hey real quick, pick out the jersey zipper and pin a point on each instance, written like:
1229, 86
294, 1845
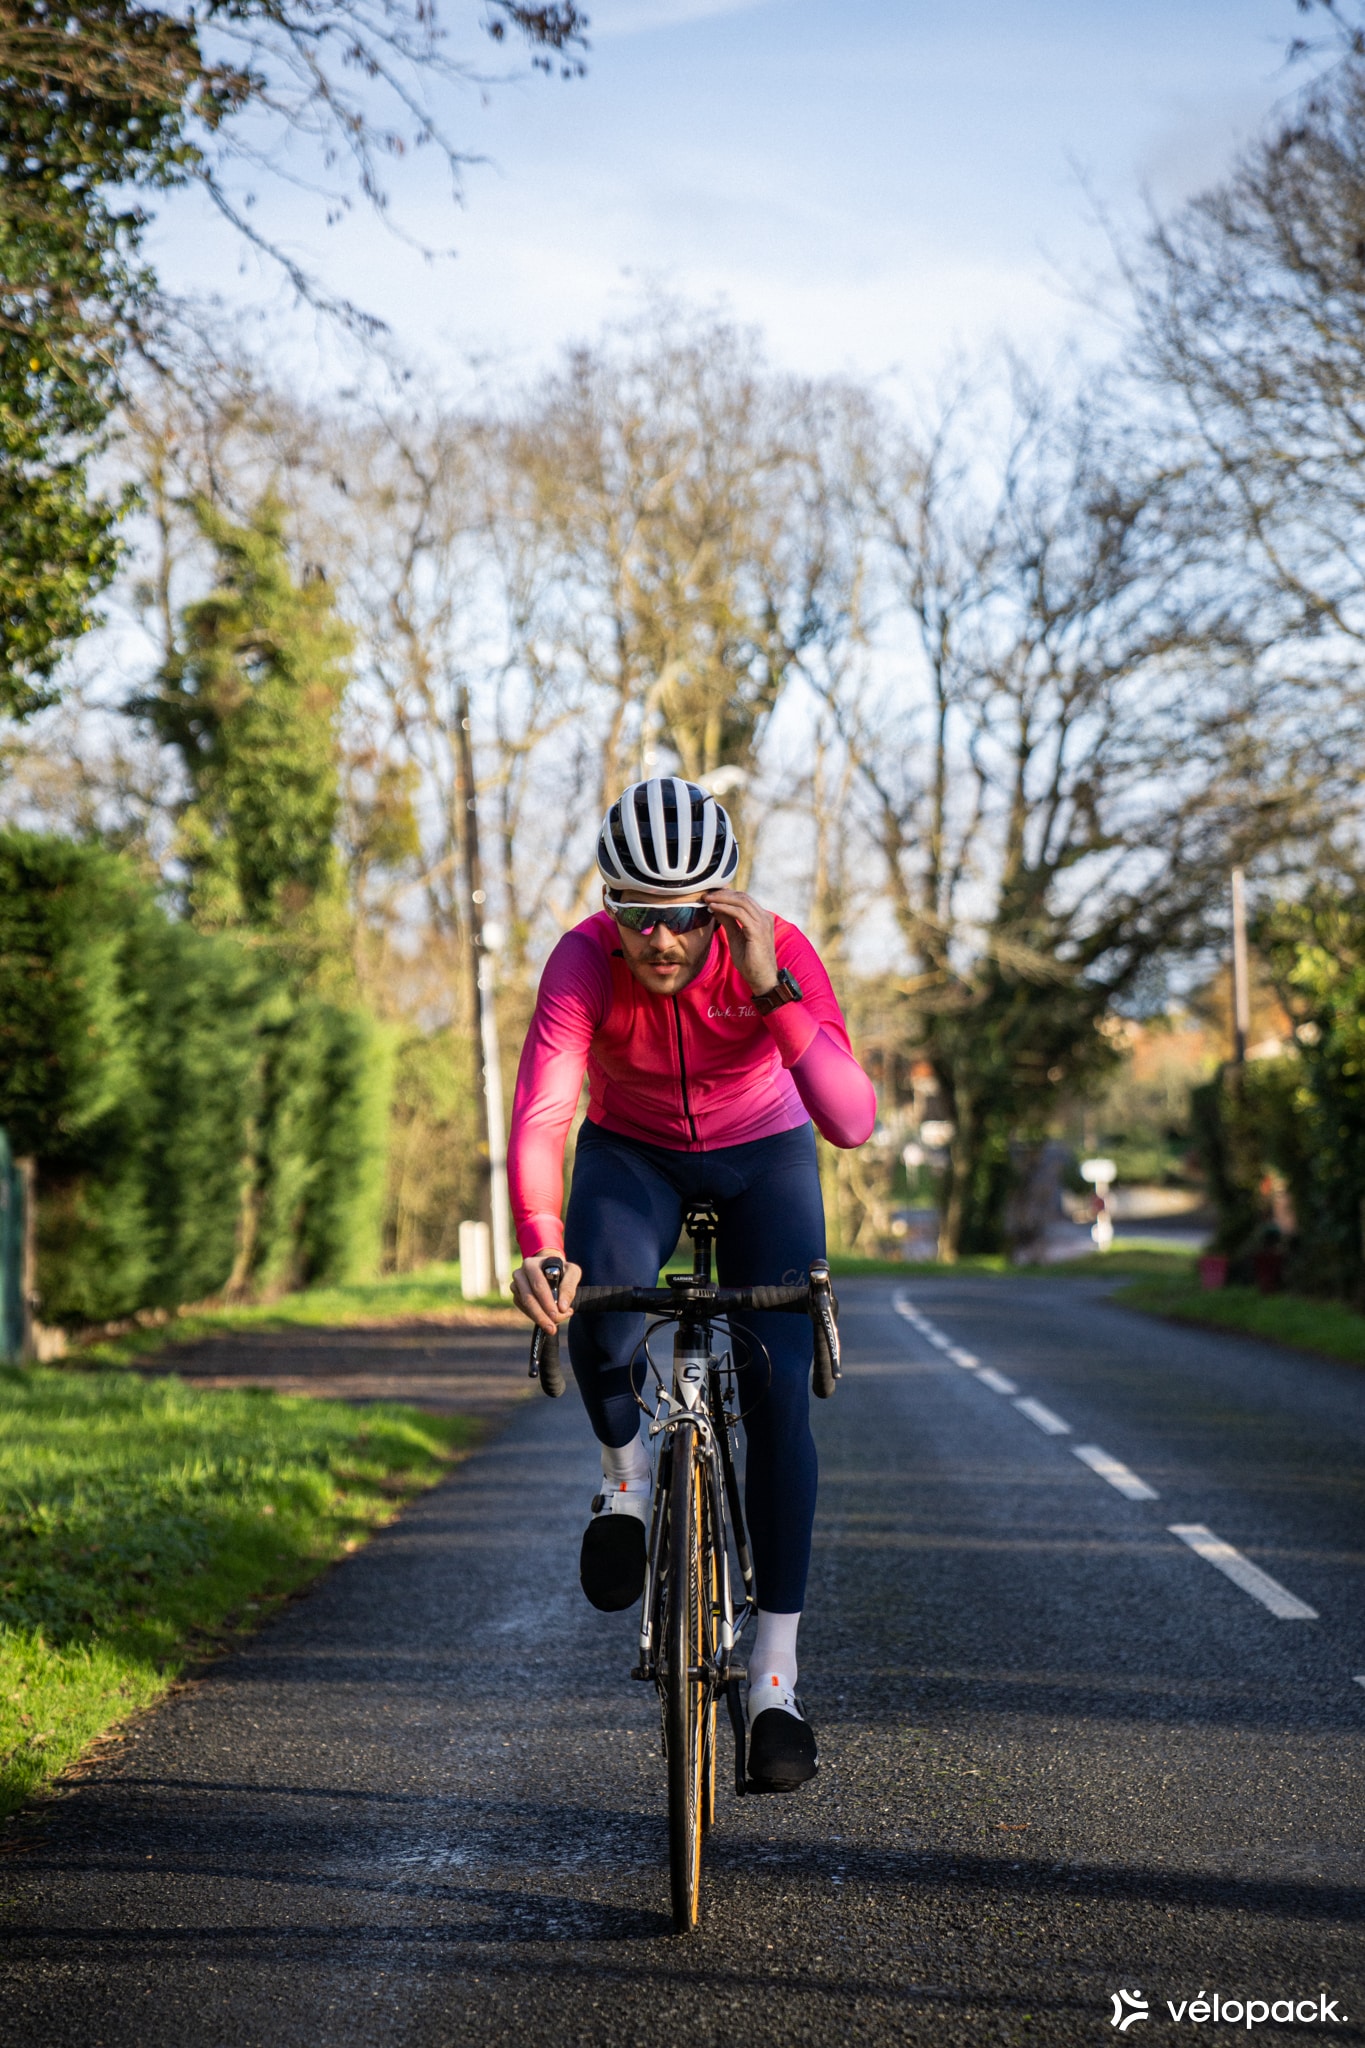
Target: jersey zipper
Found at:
682, 1072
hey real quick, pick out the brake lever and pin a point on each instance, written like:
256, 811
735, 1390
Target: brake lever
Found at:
545, 1365
825, 1316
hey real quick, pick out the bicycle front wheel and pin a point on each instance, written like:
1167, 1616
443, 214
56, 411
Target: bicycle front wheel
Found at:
688, 1707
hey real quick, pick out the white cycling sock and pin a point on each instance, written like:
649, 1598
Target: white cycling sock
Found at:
772, 1661
626, 1465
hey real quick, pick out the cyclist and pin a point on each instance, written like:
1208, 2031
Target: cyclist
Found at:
711, 1039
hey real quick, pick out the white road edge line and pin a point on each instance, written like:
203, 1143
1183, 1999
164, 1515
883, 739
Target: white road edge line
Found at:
1117, 1473
1284, 1605
1044, 1417
996, 1381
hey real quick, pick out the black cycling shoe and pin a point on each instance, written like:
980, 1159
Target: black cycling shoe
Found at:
782, 1751
611, 1564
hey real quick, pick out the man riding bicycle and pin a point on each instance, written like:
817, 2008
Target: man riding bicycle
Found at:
711, 1039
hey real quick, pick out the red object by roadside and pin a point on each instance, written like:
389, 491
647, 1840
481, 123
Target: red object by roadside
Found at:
1213, 1271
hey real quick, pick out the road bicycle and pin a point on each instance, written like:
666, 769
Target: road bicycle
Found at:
689, 1626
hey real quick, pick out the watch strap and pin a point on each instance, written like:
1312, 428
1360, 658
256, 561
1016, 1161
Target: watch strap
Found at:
786, 989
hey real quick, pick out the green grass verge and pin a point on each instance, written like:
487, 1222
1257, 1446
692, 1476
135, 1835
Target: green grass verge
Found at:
1327, 1327
142, 1524
1131, 1256
396, 1298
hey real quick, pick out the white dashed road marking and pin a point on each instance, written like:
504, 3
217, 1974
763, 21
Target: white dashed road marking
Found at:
1360, 1678
1050, 1424
1116, 1473
1284, 1605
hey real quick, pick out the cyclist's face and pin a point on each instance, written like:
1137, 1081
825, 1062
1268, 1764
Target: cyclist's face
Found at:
664, 961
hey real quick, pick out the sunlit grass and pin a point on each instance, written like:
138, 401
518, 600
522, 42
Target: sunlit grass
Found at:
141, 1523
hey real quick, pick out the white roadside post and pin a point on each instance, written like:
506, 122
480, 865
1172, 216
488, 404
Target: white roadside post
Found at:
476, 1264
1101, 1174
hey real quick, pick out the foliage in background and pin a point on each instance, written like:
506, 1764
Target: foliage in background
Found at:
198, 1124
250, 702
79, 119
142, 1521
1141, 1118
100, 99
1245, 1125
1300, 1118
434, 1178
1315, 949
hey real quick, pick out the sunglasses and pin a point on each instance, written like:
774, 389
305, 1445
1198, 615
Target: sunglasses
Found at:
674, 917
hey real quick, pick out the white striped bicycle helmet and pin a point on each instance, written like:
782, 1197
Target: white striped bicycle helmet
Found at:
665, 837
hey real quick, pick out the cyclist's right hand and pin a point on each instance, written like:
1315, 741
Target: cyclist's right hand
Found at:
531, 1291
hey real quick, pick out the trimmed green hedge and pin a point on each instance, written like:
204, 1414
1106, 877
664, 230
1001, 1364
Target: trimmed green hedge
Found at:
198, 1121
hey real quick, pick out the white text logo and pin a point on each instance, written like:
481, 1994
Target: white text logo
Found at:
1254, 2012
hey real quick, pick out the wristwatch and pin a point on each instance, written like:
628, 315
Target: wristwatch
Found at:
786, 989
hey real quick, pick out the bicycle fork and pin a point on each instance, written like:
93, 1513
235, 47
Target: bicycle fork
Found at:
686, 1410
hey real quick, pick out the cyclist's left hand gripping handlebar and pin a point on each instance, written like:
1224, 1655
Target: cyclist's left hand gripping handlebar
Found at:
545, 1364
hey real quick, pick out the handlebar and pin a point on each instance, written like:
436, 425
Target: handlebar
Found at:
814, 1296
716, 1301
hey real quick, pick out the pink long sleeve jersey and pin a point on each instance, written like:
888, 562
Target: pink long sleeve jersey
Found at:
690, 1072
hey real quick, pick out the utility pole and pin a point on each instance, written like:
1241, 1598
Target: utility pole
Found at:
481, 941
1241, 988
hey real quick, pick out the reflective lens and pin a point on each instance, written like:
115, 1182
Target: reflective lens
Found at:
674, 917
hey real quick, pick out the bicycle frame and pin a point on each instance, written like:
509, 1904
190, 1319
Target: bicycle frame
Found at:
696, 1401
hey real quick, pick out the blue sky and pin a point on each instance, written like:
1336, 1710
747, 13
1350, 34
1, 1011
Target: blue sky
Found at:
876, 183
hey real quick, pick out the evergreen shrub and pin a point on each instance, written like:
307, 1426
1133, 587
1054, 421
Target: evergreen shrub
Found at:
198, 1122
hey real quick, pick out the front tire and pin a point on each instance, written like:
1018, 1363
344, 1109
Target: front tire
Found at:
688, 1708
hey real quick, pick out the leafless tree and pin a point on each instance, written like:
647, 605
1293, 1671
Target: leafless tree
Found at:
1072, 746
1251, 339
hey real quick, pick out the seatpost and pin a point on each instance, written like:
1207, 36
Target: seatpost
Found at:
700, 1223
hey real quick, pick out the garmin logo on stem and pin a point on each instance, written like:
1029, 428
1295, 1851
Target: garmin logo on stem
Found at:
1205, 2010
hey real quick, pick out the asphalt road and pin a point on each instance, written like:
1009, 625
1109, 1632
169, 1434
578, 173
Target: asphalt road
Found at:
1063, 1753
